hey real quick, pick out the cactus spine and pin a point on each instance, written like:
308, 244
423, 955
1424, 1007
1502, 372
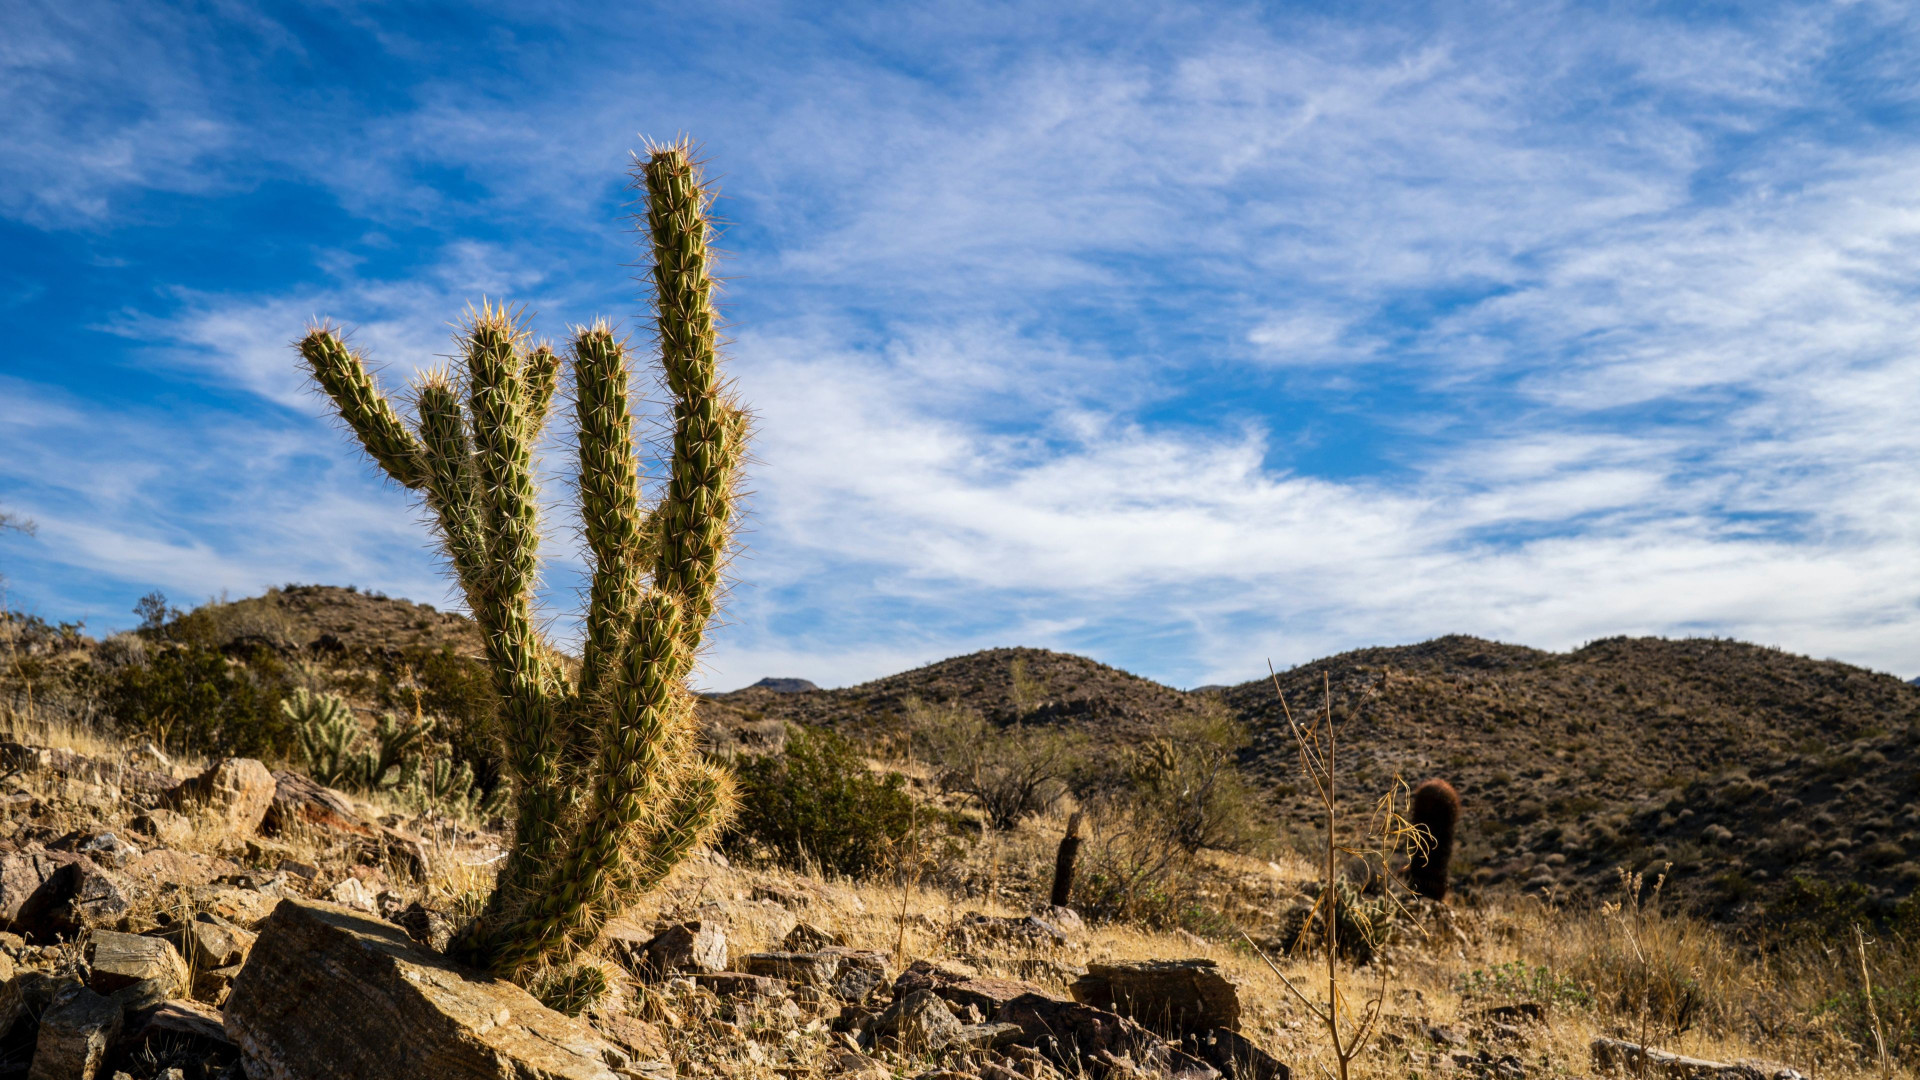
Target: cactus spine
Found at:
611, 790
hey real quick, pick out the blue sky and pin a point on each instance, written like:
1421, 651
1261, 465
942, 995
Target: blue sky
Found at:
1184, 337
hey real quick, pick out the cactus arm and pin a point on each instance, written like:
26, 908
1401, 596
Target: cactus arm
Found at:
542, 377
344, 377
523, 674
609, 484
450, 482
634, 773
696, 510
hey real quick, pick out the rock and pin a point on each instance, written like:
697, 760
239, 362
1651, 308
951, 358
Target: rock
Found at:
1172, 997
120, 960
425, 925
1076, 1038
919, 1023
1620, 1056
235, 792
806, 937
1235, 1056
209, 941
75, 1035
352, 892
32, 885
688, 947
330, 992
739, 984
167, 826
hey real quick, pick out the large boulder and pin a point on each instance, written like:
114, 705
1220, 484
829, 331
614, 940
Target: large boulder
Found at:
234, 792
332, 993
1173, 997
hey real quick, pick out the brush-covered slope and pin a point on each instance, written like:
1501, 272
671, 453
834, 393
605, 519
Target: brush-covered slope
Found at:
1741, 765
1004, 685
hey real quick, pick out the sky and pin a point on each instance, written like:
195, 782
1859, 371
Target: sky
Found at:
1187, 337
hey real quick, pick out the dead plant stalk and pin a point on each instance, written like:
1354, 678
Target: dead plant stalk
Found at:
1321, 768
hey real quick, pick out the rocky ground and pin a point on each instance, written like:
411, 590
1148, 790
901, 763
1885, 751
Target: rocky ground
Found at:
220, 920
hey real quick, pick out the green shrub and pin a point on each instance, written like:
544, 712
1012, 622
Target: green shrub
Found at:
816, 801
1012, 773
193, 698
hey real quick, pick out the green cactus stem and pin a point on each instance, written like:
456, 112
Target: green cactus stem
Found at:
611, 790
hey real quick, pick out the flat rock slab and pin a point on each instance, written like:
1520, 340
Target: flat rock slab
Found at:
332, 993
1620, 1056
1173, 997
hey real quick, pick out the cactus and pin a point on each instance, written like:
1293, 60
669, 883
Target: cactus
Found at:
326, 730
1435, 809
609, 784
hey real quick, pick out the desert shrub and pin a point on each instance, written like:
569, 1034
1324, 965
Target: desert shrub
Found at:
1187, 782
459, 692
191, 697
1649, 966
1181, 786
817, 802
1012, 773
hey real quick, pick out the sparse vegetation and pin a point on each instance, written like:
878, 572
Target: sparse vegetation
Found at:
817, 804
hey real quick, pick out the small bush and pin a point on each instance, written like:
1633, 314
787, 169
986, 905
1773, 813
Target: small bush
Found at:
1012, 773
817, 802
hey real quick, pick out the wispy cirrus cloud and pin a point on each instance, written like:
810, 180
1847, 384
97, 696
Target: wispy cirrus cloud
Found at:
1186, 339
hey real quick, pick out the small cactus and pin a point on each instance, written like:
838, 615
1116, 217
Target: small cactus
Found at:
610, 788
326, 731
1435, 810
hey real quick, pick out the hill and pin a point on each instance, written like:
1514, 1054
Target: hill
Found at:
1741, 766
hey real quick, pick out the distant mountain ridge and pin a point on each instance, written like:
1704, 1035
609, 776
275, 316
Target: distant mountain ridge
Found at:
1740, 765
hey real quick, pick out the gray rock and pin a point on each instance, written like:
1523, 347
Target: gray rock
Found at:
919, 1023
330, 992
121, 960
235, 792
1172, 997
685, 948
75, 1034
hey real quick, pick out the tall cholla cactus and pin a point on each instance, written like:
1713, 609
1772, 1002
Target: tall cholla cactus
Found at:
610, 787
